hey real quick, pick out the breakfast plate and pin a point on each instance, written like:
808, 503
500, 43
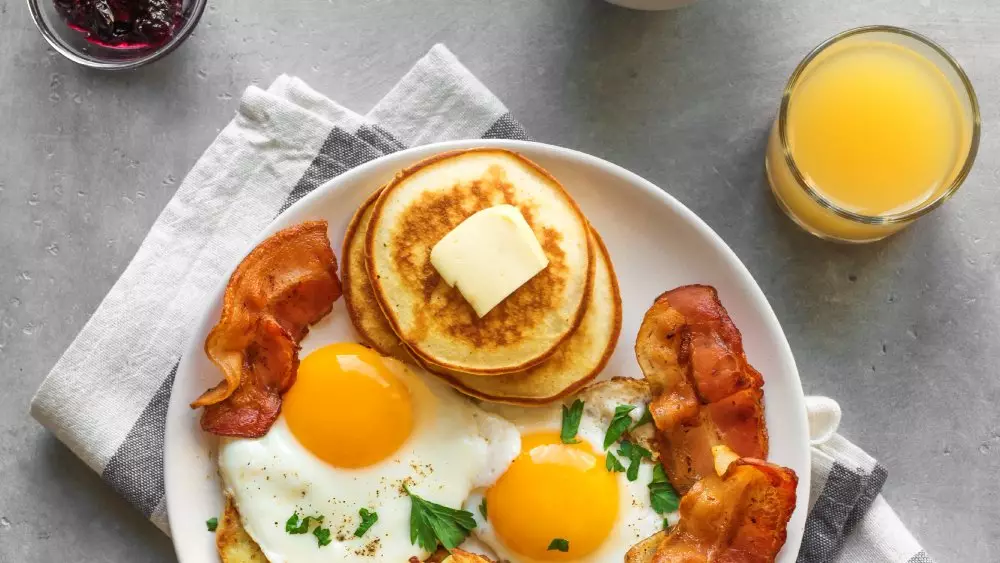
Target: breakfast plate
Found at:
654, 242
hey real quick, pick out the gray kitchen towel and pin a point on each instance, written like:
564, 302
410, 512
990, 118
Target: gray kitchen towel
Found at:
106, 398
848, 520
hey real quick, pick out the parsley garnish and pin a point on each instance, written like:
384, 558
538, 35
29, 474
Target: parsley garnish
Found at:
212, 524
634, 453
646, 418
431, 523
571, 422
662, 496
368, 519
322, 536
559, 544
611, 463
482, 508
294, 526
619, 424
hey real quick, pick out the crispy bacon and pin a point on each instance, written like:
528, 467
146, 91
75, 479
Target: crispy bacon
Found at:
287, 283
705, 391
739, 518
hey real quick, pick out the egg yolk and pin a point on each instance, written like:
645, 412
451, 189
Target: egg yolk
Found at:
554, 490
347, 407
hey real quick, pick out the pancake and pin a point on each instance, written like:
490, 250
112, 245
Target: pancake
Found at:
366, 314
577, 361
424, 203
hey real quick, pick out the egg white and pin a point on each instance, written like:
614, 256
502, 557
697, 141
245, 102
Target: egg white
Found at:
454, 447
636, 518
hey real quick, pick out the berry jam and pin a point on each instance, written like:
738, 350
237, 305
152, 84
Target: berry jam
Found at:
123, 24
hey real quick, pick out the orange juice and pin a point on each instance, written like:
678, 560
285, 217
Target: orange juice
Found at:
876, 130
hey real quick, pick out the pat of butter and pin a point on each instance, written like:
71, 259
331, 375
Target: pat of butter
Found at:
488, 256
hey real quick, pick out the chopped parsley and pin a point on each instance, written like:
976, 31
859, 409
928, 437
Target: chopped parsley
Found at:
482, 508
571, 422
431, 523
662, 496
212, 524
295, 526
559, 544
619, 424
322, 536
368, 519
611, 463
635, 454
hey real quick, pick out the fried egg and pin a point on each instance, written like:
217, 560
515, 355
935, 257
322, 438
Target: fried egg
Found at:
355, 429
556, 491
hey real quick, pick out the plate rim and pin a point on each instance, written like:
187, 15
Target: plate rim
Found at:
634, 180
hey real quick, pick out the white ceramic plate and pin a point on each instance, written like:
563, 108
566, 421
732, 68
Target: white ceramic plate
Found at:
655, 243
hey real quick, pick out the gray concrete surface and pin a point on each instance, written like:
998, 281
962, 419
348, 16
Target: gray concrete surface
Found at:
904, 333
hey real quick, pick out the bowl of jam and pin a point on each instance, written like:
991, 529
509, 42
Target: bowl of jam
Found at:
115, 34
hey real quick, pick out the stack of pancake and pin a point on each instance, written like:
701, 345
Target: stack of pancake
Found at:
544, 341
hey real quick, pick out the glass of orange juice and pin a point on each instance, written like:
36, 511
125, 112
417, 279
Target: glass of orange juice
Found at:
877, 126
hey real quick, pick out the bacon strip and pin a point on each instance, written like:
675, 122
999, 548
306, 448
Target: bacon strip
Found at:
739, 518
705, 391
287, 283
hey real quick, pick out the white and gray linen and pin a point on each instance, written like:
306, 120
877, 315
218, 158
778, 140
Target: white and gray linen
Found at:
106, 398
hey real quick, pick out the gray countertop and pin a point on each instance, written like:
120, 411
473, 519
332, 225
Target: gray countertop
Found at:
904, 333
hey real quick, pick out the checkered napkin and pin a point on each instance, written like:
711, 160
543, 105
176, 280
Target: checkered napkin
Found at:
107, 396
